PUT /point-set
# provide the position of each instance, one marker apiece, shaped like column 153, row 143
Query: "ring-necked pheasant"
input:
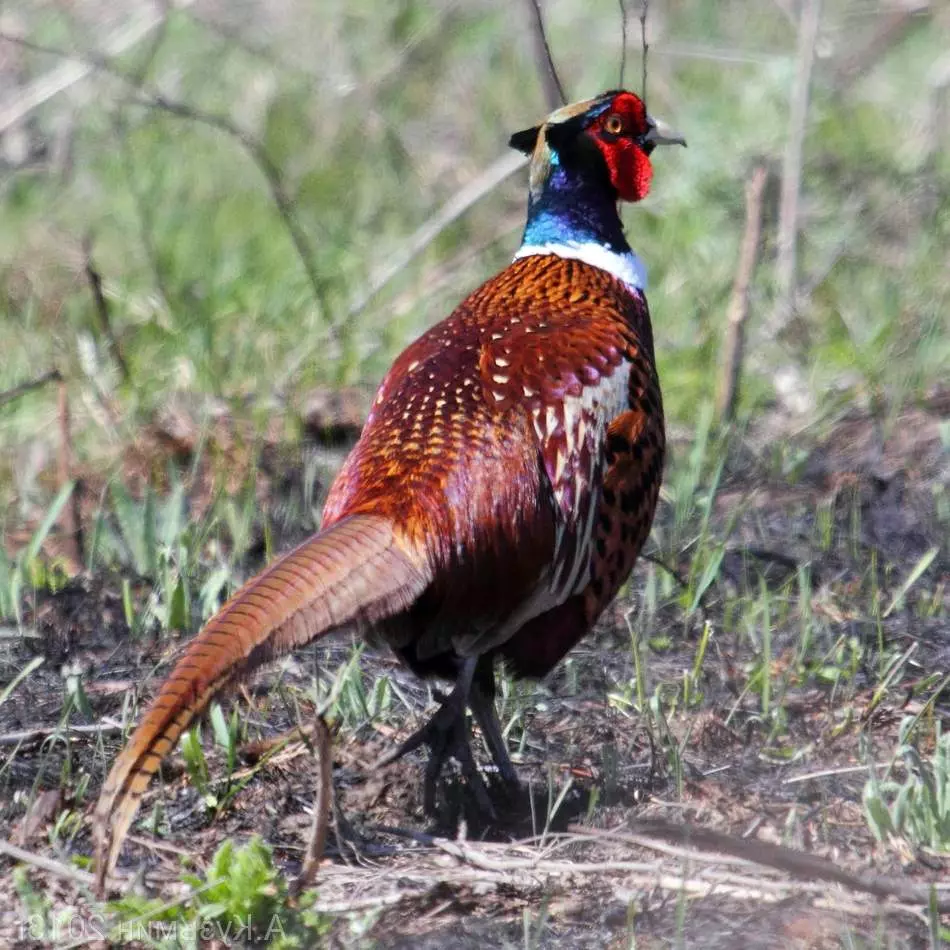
column 501, row 489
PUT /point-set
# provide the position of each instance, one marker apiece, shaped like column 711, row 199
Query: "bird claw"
column 446, row 735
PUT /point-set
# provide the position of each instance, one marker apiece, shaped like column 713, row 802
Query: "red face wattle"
column 617, row 133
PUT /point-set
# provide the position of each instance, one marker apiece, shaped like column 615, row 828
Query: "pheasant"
column 501, row 489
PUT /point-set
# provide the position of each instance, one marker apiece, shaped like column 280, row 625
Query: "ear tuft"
column 525, row 140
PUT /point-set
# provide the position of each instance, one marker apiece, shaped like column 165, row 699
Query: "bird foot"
column 446, row 734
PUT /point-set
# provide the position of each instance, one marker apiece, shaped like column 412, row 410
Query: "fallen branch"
column 46, row 864
column 22, row 736
column 807, row 867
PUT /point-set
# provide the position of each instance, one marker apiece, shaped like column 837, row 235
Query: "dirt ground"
column 581, row 881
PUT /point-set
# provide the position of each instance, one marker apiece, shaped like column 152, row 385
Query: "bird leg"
column 481, row 701
column 447, row 736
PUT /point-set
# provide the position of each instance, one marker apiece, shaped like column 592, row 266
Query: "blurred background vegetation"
column 145, row 142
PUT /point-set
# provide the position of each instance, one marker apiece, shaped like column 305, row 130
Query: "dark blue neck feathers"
column 573, row 206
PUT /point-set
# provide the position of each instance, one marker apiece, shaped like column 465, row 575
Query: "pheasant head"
column 610, row 137
column 585, row 158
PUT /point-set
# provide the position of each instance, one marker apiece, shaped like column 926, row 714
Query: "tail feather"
column 355, row 571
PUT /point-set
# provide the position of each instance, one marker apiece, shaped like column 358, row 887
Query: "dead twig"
column 450, row 212
column 681, row 581
column 413, row 246
column 272, row 175
column 254, row 752
column 316, row 737
column 24, row 736
column 101, row 310
column 939, row 113
column 322, row 803
column 22, row 389
column 623, row 42
column 553, row 90
column 734, row 343
column 892, row 28
column 645, row 48
column 46, row 864
column 808, row 867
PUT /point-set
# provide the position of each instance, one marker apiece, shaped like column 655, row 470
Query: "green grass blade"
column 912, row 579
column 22, row 675
column 40, row 535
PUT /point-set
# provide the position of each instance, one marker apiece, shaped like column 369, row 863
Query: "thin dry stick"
column 738, row 313
column 10, row 395
column 808, row 867
column 103, row 318
column 623, row 41
column 451, row 211
column 645, row 47
column 553, row 90
column 680, row 580
column 23, row 736
column 46, row 864
column 322, row 800
column 273, row 177
column 889, row 32
column 939, row 109
column 787, row 238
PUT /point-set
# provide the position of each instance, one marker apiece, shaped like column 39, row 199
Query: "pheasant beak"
column 659, row 133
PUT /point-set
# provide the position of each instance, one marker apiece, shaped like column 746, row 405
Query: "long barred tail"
column 356, row 570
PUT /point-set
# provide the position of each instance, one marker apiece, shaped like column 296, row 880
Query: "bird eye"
column 614, row 124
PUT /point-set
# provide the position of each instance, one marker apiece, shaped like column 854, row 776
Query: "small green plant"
column 535, row 925
column 38, row 907
column 28, row 570
column 918, row 807
column 349, row 698
column 227, row 736
column 693, row 679
column 242, row 900
column 196, row 764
